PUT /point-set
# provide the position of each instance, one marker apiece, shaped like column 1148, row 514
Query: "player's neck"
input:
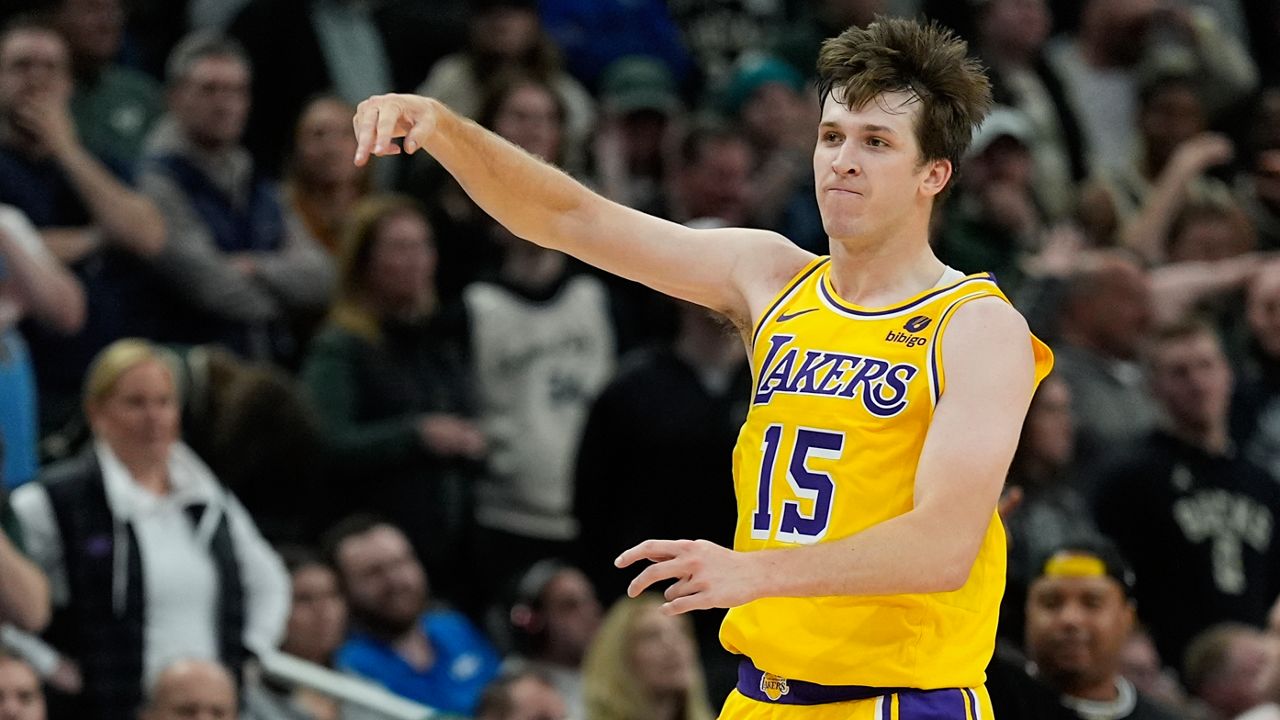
column 882, row 274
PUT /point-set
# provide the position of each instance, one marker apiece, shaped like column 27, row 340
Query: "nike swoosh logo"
column 785, row 317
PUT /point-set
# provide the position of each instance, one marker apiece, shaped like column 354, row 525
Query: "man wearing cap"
column 1080, row 611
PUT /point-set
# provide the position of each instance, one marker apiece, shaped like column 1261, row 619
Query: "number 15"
column 818, row 487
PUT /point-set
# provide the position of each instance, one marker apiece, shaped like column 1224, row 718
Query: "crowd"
column 255, row 399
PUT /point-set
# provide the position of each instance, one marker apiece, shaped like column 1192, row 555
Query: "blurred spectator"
column 236, row 264
column 713, row 178
column 1079, row 614
column 992, row 221
column 1015, row 694
column 299, row 49
column 1119, row 40
column 665, row 426
column 719, row 33
column 643, row 665
column 1141, row 664
column 113, row 106
column 435, row 657
column 1137, row 203
column 525, row 695
column 1104, row 321
column 542, row 347
column 316, row 629
column 772, row 103
column 1011, row 37
column 505, row 37
column 1196, row 519
column 389, row 378
column 1258, row 187
column 32, row 283
column 555, row 617
column 89, row 219
column 1223, row 668
column 192, row 689
column 149, row 558
column 321, row 183
column 1255, row 407
column 640, row 110
column 797, row 42
column 1269, row 678
column 20, row 695
column 1263, row 20
column 24, row 595
column 594, row 34
column 1051, row 510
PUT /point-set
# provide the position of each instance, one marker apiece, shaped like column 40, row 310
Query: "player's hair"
column 926, row 60
column 197, row 46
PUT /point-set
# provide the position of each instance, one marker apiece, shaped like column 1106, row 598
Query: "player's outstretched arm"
column 733, row 271
column 989, row 368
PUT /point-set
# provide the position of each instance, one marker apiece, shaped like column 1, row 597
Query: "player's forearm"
column 912, row 553
column 531, row 198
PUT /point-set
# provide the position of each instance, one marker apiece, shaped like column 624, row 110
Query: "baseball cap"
column 639, row 82
column 755, row 72
column 1087, row 557
column 1002, row 121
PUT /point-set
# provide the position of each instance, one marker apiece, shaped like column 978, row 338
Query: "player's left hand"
column 706, row 574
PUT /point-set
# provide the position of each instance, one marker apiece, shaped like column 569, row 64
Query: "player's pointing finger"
column 365, row 123
column 648, row 550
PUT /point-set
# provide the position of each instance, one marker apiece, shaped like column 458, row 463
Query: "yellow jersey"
column 841, row 402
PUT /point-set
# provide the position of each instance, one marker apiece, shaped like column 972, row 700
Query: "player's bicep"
column 989, row 368
column 729, row 270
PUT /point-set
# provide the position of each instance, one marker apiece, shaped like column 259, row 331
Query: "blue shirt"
column 465, row 663
column 17, row 409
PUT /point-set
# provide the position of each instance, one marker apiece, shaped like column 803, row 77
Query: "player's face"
column 34, row 64
column 1076, row 627
column 662, row 652
column 212, row 101
column 867, row 169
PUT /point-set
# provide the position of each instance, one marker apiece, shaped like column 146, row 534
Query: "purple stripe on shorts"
column 945, row 704
column 973, row 703
column 755, row 684
column 886, row 708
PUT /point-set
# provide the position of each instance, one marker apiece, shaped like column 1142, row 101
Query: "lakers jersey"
column 842, row 400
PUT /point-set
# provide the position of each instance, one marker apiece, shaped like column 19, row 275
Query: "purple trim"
column 932, row 705
column 799, row 692
column 886, row 708
column 839, row 304
column 973, row 703
column 935, row 349
column 764, row 319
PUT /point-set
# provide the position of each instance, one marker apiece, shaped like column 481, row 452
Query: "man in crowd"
column 1224, row 668
column 526, row 695
column 192, row 689
column 20, row 694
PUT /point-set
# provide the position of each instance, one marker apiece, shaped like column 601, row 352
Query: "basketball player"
column 889, row 389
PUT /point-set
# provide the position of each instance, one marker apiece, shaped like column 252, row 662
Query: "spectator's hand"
column 707, row 575
column 452, row 436
column 1064, row 247
column 48, row 124
column 1200, row 153
column 244, row 264
column 383, row 118
column 66, row 677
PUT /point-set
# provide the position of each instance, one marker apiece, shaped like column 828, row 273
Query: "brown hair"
column 351, row 310
column 928, row 61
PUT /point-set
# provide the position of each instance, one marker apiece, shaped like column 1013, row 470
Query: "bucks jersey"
column 842, row 400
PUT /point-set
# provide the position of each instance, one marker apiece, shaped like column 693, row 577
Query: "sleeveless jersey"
column 842, row 400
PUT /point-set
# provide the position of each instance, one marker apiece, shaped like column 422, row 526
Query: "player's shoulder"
column 770, row 262
column 990, row 316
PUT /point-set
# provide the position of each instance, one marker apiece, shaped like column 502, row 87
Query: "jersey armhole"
column 1041, row 354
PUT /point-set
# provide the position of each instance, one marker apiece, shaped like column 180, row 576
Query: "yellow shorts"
column 945, row 704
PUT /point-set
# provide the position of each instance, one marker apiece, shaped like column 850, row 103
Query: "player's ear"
column 937, row 174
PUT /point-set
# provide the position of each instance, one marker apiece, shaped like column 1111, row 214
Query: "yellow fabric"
column 738, row 707
column 843, row 396
column 1075, row 565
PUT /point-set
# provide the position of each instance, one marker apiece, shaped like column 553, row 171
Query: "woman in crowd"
column 321, row 183
column 151, row 559
column 388, row 379
column 644, row 665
